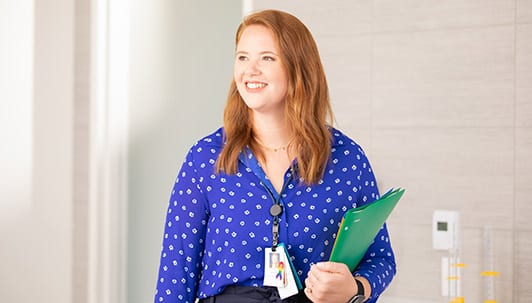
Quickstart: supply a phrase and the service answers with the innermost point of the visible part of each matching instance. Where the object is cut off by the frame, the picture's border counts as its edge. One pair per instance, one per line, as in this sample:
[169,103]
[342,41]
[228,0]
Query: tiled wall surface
[439,93]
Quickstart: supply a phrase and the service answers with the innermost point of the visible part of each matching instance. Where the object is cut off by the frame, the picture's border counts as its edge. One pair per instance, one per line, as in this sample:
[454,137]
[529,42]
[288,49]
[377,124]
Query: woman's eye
[268,58]
[242,58]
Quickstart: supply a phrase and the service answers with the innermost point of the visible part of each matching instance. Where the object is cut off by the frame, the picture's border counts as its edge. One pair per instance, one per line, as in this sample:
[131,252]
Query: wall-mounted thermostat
[445,229]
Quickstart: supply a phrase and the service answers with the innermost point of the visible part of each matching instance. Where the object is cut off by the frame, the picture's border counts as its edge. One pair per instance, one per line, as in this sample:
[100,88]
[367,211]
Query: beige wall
[439,93]
[36,235]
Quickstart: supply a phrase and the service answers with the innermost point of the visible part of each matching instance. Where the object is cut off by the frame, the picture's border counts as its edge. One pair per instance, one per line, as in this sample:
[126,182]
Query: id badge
[278,272]
[275,269]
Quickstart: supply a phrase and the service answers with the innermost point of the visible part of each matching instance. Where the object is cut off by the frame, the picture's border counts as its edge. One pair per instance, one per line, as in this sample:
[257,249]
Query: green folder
[360,226]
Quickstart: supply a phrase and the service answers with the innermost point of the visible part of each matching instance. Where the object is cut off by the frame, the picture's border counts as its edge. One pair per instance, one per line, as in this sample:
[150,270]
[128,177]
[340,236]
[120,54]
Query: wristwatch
[359,297]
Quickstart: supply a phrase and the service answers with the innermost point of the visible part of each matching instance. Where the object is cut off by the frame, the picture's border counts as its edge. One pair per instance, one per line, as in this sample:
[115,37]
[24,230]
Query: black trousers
[249,294]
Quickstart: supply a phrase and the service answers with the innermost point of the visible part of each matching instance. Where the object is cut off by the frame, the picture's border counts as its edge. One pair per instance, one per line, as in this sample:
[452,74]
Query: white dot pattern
[218,225]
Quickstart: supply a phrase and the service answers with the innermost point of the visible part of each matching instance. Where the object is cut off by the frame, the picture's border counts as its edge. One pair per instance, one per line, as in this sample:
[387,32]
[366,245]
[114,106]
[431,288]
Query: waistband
[250,294]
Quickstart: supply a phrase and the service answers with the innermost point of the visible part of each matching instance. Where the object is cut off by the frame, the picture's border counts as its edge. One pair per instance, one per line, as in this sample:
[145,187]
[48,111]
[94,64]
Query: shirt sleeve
[183,240]
[378,264]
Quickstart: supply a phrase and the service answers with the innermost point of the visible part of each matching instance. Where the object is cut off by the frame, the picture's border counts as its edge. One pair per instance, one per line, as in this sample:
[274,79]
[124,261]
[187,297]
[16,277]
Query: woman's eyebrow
[241,52]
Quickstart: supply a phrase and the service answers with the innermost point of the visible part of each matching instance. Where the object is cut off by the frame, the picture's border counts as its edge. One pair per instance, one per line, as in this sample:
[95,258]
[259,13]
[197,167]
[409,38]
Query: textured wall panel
[444,78]
[523,71]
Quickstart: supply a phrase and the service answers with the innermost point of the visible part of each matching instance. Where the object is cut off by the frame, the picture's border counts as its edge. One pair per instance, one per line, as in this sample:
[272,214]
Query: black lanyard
[275,211]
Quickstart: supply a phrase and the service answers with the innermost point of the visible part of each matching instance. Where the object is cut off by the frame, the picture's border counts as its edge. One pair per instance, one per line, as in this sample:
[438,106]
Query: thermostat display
[442,226]
[445,230]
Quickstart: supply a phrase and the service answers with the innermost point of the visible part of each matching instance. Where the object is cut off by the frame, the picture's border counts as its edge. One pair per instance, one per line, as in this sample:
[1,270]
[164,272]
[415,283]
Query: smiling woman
[277,178]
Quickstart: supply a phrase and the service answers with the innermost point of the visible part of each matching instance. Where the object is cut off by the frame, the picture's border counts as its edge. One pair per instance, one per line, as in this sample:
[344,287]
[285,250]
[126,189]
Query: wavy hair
[307,104]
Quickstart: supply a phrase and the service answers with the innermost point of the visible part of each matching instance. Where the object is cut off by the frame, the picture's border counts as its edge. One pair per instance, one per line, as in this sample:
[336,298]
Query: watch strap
[359,297]
[360,288]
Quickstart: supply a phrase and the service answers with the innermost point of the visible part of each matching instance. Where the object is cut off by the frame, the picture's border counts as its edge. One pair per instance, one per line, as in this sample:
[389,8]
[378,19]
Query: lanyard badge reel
[281,272]
[275,211]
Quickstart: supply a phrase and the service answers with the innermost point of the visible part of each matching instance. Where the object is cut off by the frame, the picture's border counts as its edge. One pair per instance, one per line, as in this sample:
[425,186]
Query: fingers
[327,280]
[308,293]
[332,267]
[311,290]
[318,280]
[315,277]
[310,282]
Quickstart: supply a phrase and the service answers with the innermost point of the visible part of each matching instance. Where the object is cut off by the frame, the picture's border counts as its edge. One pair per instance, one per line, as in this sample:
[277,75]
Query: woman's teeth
[255,85]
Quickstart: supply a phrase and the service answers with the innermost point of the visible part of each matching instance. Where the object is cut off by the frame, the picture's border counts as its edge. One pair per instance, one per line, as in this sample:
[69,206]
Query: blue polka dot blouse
[218,225]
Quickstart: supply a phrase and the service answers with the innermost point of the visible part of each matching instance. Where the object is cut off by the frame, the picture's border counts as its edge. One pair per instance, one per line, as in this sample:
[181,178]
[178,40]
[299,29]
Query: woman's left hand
[330,282]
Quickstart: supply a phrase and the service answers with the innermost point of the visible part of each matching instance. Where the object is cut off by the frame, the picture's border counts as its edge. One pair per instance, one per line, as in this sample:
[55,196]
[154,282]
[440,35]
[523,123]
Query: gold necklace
[274,149]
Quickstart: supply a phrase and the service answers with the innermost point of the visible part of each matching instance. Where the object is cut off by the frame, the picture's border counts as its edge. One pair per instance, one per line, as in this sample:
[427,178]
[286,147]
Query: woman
[277,177]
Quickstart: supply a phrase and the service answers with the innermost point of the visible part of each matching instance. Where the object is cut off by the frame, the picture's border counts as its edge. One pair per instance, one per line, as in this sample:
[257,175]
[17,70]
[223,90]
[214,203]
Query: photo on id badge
[275,273]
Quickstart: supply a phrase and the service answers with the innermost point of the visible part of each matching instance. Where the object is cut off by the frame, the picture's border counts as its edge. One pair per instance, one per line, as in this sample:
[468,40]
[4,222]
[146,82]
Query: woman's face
[258,72]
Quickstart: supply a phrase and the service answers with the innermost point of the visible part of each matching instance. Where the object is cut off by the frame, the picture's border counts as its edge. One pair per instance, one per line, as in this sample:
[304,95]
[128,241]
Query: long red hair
[307,105]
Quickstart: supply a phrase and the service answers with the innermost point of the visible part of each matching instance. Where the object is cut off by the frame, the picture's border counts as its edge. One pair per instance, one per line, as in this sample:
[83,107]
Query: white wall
[35,236]
[181,61]
[181,67]
[16,103]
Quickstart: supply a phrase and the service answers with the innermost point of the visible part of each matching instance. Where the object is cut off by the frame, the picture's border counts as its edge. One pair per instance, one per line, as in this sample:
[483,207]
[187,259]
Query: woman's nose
[252,68]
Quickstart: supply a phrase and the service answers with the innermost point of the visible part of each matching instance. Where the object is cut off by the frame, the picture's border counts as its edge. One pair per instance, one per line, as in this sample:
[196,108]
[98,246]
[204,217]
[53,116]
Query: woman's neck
[271,132]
